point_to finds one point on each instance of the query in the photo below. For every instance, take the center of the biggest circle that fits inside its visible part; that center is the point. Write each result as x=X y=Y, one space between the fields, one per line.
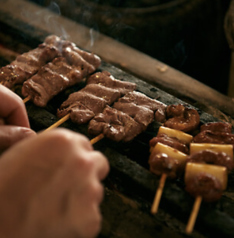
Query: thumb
x=9 y=135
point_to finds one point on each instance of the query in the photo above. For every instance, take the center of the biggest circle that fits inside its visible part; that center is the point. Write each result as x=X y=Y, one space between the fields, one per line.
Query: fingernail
x=28 y=132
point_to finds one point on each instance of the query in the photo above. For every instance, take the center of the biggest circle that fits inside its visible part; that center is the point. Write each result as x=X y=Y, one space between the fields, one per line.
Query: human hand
x=14 y=123
x=50 y=187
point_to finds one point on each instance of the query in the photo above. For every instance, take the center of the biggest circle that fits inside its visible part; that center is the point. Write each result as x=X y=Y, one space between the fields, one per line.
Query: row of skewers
x=203 y=161
x=115 y=110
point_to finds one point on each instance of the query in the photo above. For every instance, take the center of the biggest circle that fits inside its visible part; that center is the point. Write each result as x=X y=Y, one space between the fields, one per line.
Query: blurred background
x=187 y=35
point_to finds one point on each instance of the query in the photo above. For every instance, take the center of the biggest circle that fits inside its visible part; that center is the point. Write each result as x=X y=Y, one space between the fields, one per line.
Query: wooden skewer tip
x=193 y=216
x=157 y=198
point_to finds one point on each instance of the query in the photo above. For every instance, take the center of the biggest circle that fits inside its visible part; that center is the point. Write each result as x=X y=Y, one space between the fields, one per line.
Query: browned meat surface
x=76 y=60
x=63 y=44
x=143 y=105
x=170 y=141
x=217 y=127
x=140 y=114
x=160 y=114
x=50 y=80
x=54 y=77
x=138 y=106
x=108 y=94
x=104 y=95
x=81 y=104
x=142 y=100
x=115 y=125
x=80 y=114
x=212 y=157
x=106 y=79
x=161 y=163
x=27 y=64
x=214 y=137
x=204 y=185
x=182 y=118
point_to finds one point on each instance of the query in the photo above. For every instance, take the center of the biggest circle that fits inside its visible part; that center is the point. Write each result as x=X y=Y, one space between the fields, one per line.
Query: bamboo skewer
x=158 y=194
x=193 y=216
x=59 y=122
x=26 y=99
x=65 y=118
x=96 y=139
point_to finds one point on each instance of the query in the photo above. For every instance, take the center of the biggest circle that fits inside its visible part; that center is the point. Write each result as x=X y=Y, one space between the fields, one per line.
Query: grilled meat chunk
x=106 y=79
x=182 y=118
x=161 y=163
x=82 y=107
x=56 y=76
x=27 y=64
x=108 y=94
x=212 y=157
x=64 y=45
x=115 y=125
x=51 y=79
x=223 y=127
x=140 y=114
x=82 y=103
x=205 y=185
x=170 y=141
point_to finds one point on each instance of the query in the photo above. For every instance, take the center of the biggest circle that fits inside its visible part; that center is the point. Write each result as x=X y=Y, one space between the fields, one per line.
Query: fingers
x=12 y=108
x=60 y=185
x=9 y=135
x=101 y=164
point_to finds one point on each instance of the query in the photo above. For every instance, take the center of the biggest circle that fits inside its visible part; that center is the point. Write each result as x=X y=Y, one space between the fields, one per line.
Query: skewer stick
x=158 y=194
x=59 y=122
x=65 y=118
x=96 y=139
x=193 y=216
x=27 y=99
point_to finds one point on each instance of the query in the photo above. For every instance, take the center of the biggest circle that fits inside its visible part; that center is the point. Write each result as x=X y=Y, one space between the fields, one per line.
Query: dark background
x=186 y=35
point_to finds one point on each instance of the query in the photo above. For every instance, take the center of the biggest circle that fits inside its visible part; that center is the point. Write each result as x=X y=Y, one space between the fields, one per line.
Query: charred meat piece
x=205 y=180
x=174 y=164
x=76 y=60
x=56 y=76
x=182 y=118
x=223 y=127
x=51 y=79
x=140 y=114
x=170 y=141
x=84 y=100
x=108 y=94
x=214 y=137
x=212 y=157
x=216 y=133
x=65 y=45
x=142 y=100
x=27 y=64
x=82 y=107
x=106 y=79
x=161 y=163
x=136 y=105
x=204 y=185
x=115 y=125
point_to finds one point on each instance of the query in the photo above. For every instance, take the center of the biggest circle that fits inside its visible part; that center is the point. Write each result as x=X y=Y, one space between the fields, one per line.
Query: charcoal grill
x=130 y=187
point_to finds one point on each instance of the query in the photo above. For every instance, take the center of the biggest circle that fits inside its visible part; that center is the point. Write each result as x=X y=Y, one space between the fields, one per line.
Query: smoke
x=39 y=18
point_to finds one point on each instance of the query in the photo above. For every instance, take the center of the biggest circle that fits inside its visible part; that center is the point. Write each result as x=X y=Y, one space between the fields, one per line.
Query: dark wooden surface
x=130 y=187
